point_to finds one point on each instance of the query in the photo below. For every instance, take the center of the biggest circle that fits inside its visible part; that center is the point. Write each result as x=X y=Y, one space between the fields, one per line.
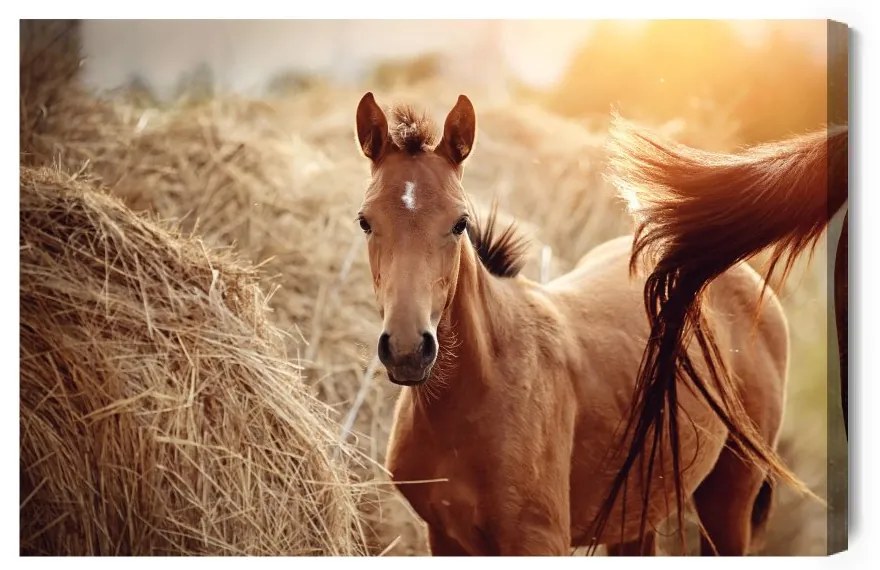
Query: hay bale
x=160 y=413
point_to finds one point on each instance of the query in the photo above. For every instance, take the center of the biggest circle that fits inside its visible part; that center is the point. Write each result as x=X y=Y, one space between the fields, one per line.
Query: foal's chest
x=440 y=483
x=449 y=503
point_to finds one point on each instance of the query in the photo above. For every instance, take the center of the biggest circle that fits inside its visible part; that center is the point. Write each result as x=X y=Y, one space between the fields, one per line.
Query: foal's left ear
x=459 y=131
x=372 y=128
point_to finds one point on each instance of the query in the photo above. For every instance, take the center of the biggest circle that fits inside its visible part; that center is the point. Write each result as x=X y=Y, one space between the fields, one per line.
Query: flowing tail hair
x=698 y=214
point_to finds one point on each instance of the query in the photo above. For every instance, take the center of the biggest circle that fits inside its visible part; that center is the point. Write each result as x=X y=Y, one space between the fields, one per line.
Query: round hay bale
x=160 y=413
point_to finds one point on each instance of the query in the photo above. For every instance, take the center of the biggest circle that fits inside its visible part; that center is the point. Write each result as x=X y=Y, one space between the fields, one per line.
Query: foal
x=517 y=392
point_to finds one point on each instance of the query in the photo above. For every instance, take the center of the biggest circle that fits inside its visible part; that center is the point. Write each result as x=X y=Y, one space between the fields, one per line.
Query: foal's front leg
x=534 y=530
x=552 y=546
x=511 y=538
x=536 y=542
x=541 y=542
x=442 y=545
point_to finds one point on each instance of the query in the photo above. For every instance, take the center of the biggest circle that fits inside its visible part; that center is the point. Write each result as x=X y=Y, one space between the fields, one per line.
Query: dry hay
x=160 y=412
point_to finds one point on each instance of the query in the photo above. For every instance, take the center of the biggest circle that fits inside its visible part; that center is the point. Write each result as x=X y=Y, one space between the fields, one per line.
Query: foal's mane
x=502 y=252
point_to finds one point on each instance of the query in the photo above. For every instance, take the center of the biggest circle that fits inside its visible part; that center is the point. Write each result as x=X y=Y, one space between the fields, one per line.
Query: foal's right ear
x=459 y=131
x=372 y=128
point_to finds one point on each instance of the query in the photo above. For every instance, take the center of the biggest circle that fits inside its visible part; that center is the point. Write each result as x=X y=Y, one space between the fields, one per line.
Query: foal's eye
x=460 y=226
x=365 y=225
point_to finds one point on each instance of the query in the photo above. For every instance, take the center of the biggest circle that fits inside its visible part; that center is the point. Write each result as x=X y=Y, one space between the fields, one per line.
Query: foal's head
x=415 y=216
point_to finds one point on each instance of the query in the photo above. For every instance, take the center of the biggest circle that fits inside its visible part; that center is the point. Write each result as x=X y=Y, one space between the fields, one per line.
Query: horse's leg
x=726 y=502
x=541 y=537
x=443 y=545
x=534 y=546
x=634 y=548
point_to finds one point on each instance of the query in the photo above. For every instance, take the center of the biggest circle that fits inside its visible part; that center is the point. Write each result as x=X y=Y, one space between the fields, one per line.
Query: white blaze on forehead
x=409 y=195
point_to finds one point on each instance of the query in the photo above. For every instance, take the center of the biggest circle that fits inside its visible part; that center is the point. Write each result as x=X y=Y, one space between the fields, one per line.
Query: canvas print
x=449 y=288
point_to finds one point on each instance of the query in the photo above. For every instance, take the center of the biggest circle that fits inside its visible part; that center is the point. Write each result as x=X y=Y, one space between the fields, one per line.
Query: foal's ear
x=459 y=131
x=372 y=128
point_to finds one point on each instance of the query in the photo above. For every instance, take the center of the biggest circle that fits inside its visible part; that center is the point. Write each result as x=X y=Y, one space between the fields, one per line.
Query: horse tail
x=699 y=213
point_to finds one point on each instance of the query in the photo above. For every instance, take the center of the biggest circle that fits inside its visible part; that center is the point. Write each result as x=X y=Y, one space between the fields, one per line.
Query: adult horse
x=516 y=393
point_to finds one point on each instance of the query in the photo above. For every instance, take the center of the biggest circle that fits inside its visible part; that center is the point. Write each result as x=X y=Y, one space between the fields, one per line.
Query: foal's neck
x=468 y=334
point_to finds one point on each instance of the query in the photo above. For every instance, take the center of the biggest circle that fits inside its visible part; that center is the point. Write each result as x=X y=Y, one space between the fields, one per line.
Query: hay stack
x=160 y=413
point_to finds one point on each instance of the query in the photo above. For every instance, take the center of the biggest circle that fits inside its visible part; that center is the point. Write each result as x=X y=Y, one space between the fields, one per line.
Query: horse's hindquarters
x=612 y=326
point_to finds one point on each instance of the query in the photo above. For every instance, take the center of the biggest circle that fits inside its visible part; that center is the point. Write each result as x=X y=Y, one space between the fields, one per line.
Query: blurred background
x=757 y=80
x=242 y=131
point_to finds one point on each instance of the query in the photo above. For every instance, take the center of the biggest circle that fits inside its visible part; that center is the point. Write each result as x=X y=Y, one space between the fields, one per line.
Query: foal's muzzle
x=408 y=364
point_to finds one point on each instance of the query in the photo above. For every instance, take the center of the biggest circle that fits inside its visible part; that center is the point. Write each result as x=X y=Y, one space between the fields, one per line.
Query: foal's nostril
x=429 y=348
x=384 y=349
